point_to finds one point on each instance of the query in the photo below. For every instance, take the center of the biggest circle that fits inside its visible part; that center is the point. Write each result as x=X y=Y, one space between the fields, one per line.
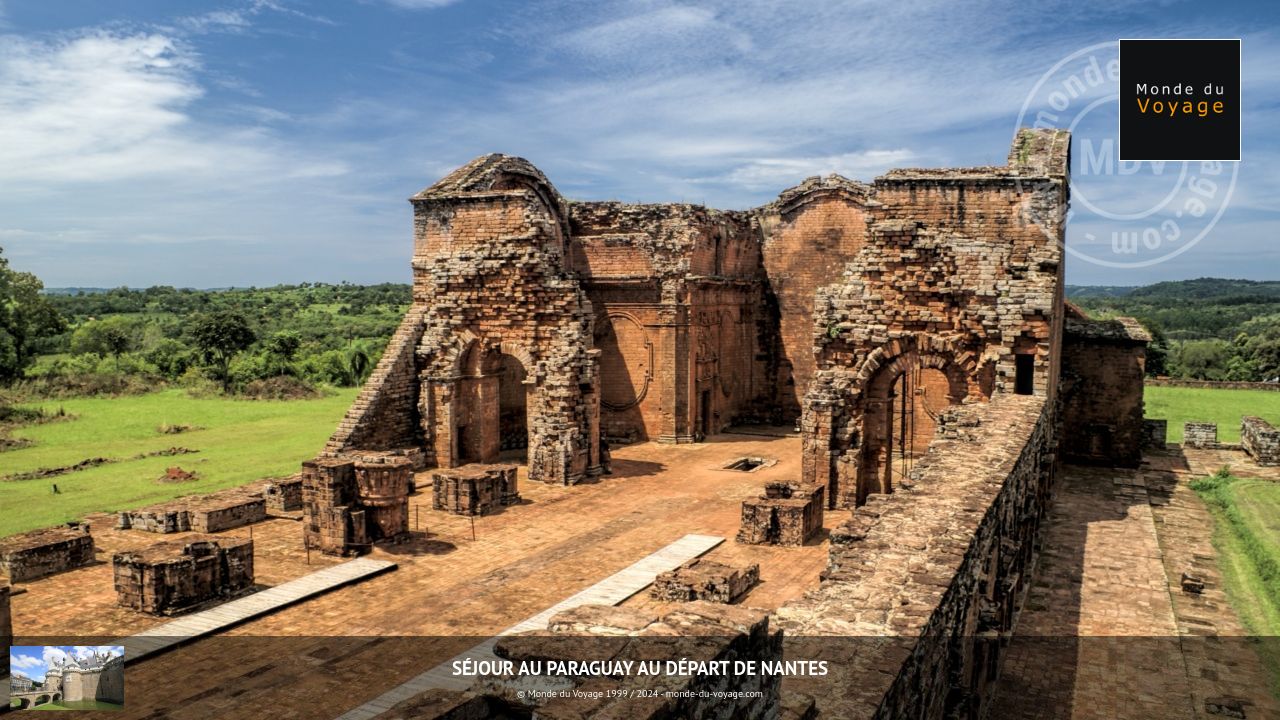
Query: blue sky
x=33 y=661
x=257 y=142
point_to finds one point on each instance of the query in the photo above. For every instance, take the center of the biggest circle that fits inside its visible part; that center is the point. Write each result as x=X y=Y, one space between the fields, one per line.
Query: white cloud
x=26 y=662
x=101 y=107
x=779 y=173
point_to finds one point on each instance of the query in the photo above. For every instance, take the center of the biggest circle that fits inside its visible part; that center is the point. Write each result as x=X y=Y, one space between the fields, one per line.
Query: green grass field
x=1225 y=407
x=239 y=441
x=1247 y=537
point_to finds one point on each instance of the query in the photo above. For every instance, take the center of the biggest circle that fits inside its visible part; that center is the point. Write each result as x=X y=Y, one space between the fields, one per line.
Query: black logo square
x=1179 y=99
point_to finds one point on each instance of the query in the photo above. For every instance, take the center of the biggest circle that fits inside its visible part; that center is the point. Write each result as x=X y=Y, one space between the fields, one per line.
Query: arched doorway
x=513 y=409
x=491 y=412
x=900 y=417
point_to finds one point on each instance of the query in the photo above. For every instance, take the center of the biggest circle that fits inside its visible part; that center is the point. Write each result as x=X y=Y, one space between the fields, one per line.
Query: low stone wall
x=1200 y=435
x=1260 y=440
x=701 y=579
x=696 y=632
x=38 y=553
x=1155 y=433
x=227 y=513
x=211 y=513
x=922 y=584
x=1218 y=384
x=474 y=489
x=284 y=495
x=172 y=576
x=787 y=514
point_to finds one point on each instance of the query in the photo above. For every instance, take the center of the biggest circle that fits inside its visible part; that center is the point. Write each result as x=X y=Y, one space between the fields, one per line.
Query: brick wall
x=1103 y=364
x=959 y=276
x=1260 y=440
x=809 y=235
x=1200 y=435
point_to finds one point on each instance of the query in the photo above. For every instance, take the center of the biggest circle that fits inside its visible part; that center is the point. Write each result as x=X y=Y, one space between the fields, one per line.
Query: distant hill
x=1079 y=292
x=1200 y=309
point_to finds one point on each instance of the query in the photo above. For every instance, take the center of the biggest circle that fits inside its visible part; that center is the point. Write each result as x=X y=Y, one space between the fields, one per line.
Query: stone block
x=474 y=489
x=787 y=514
x=38 y=553
x=701 y=579
x=1260 y=440
x=1200 y=435
x=173 y=576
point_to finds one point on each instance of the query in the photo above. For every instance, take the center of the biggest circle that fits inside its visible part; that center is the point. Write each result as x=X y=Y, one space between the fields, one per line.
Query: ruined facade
x=540 y=325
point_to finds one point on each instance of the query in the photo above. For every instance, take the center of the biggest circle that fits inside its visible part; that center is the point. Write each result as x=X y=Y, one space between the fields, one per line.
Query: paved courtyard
x=449 y=590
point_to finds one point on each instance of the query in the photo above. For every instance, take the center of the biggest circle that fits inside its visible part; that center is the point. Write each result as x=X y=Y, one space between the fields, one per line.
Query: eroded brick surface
x=34 y=554
x=176 y=575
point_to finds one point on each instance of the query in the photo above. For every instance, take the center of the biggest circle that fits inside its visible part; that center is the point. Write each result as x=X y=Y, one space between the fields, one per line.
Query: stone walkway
x=1107 y=631
x=610 y=591
x=207 y=622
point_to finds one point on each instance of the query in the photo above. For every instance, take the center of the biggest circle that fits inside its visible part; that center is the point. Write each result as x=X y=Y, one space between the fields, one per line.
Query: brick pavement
x=1106 y=630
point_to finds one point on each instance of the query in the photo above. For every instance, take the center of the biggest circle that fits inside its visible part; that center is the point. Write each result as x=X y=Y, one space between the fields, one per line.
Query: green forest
x=279 y=342
x=1205 y=329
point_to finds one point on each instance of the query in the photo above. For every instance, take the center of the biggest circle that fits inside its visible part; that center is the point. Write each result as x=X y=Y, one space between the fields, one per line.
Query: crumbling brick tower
x=496 y=353
x=955 y=295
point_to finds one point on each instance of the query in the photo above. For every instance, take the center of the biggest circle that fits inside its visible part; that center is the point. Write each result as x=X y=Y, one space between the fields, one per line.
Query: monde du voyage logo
x=1155 y=128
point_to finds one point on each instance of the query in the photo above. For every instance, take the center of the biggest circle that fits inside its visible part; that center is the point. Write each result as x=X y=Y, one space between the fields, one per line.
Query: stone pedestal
x=474 y=489
x=787 y=514
x=1200 y=435
x=34 y=554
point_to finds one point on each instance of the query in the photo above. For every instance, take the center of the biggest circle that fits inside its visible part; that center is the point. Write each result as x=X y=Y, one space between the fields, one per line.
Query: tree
x=25 y=317
x=283 y=346
x=112 y=336
x=219 y=337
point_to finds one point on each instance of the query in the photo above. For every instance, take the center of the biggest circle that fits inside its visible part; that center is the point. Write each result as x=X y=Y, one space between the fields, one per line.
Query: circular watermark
x=1127 y=213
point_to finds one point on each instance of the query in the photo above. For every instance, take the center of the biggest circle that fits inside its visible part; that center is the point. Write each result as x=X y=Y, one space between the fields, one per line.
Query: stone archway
x=902 y=402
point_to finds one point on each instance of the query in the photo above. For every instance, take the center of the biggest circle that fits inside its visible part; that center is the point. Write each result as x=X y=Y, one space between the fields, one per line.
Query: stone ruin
x=1260 y=440
x=33 y=555
x=696 y=632
x=1155 y=433
x=474 y=489
x=1200 y=435
x=788 y=513
x=177 y=575
x=211 y=513
x=1103 y=425
x=702 y=579
x=540 y=325
x=283 y=494
x=353 y=501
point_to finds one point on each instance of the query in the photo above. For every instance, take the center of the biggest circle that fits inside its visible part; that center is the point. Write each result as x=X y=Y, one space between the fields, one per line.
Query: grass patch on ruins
x=1225 y=407
x=238 y=440
x=1247 y=537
